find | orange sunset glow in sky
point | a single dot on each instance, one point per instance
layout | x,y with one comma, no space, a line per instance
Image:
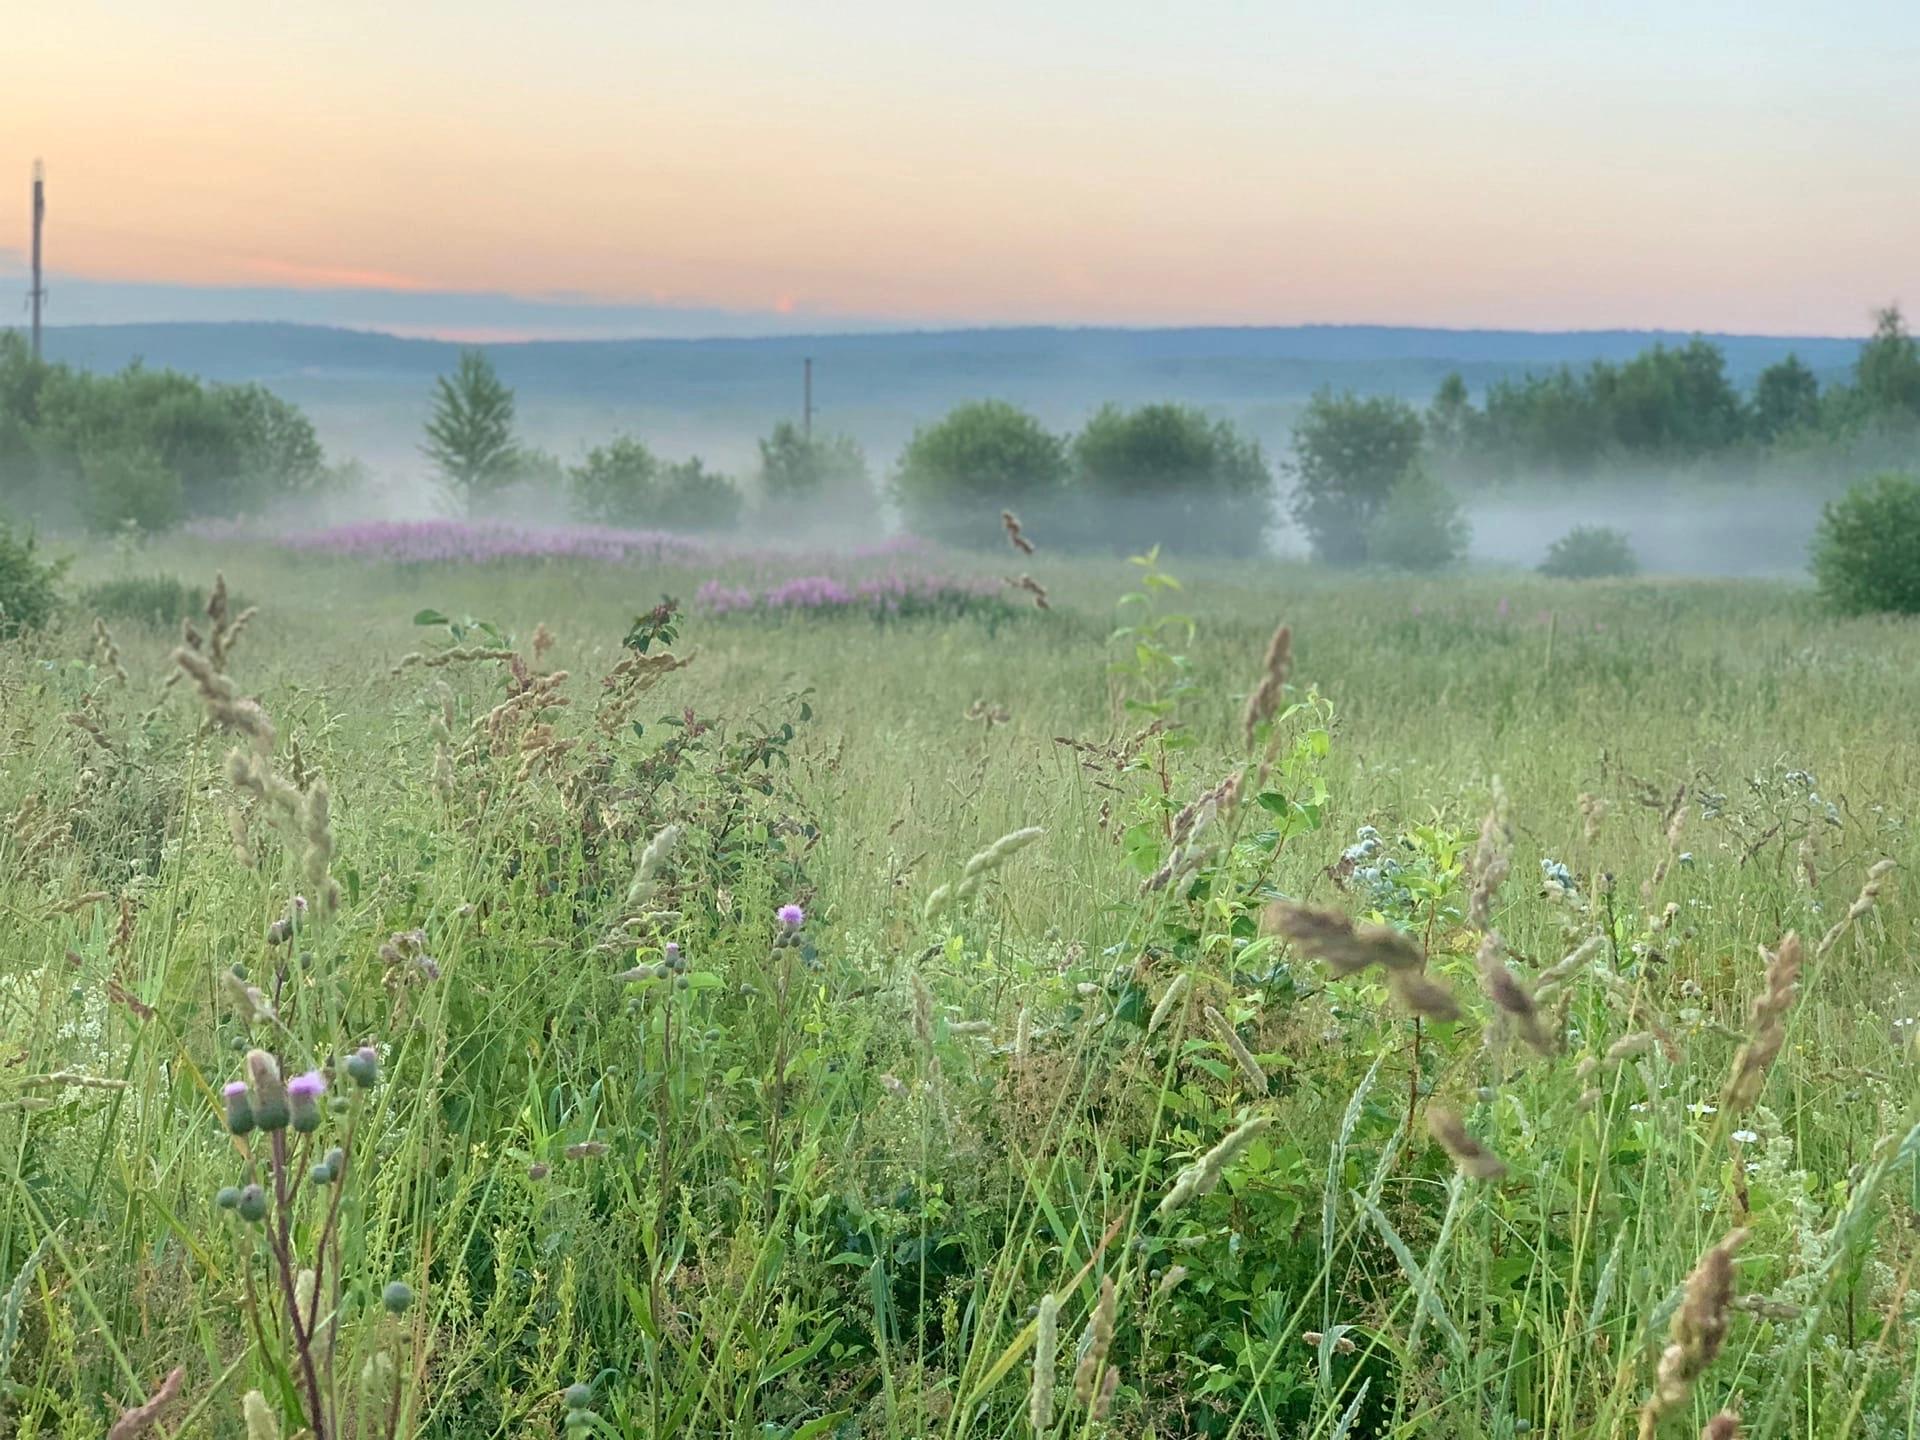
1741,167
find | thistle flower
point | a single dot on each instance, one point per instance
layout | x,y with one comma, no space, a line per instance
267,1091
1243,1057
239,1112
1767,1028
363,1067
1201,1177
1469,1156
790,916
1699,1330
303,1098
1046,1339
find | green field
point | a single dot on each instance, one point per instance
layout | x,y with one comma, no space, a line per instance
837,1181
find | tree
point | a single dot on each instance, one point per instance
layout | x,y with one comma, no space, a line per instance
1450,416
819,473
957,475
1886,374
1866,552
692,497
1168,474
280,454
1349,453
1419,526
470,435
617,484
1786,399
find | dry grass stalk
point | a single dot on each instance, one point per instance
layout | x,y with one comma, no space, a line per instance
1266,696
1032,587
1491,861
457,655
1724,1426
1015,535
1563,970
142,1418
543,639
316,822
1344,947
1699,1330
1204,1174
1767,1026
621,687
1420,994
224,706
1470,1157
1593,813
1511,997
224,632
105,653
1676,822
1086,1375
1046,1340
1184,854
1242,1056
1863,902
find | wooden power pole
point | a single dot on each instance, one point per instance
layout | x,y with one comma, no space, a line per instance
39,291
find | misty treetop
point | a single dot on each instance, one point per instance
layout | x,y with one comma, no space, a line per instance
147,447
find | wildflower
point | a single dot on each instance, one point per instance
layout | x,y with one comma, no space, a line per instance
239,1112
267,1091
363,1067
1746,1137
303,1095
791,917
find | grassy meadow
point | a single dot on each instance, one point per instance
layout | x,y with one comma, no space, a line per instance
1084,1133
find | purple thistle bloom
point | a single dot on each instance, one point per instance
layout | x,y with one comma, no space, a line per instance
303,1097
234,1088
240,1118
792,917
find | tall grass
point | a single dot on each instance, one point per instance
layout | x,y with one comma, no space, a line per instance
1049,1106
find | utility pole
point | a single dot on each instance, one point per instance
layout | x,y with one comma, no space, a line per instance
806,404
39,292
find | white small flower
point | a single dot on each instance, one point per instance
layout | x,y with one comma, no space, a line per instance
1639,1107
1745,1137
1700,1107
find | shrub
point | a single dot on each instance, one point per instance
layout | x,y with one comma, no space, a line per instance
1349,454
149,600
692,497
824,474
125,486
1589,552
617,484
1167,474
29,586
958,474
1866,552
1419,526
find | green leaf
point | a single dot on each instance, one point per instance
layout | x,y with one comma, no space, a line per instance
429,617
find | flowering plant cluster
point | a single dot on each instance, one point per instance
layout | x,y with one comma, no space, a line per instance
895,595
413,542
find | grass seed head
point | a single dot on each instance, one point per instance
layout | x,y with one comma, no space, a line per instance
1344,947
1767,1027
1265,699
1470,1157
1698,1331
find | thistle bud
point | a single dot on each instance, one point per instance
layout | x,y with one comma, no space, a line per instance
227,1197
363,1067
578,1396
267,1091
397,1297
321,1173
303,1095
239,1112
252,1204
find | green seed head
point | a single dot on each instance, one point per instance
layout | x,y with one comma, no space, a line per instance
397,1297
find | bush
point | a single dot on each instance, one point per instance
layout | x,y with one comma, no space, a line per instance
617,484
821,474
159,600
692,497
125,486
1167,474
1590,552
29,586
1349,454
957,475
1866,552
1419,526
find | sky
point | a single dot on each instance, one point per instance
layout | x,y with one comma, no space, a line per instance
493,169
